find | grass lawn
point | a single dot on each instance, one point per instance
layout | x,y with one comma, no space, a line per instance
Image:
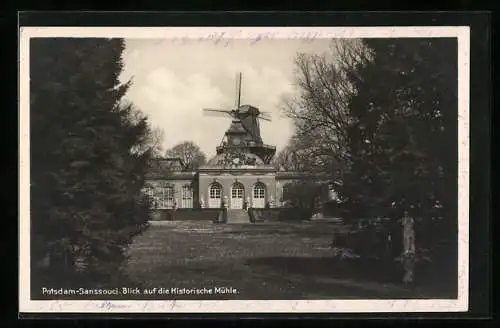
261,261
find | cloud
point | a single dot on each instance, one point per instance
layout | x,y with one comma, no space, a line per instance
174,81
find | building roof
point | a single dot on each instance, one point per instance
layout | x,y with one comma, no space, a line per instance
173,168
161,167
302,175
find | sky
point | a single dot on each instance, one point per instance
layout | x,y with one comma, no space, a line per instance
173,81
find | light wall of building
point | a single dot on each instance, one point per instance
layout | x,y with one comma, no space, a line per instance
227,180
171,191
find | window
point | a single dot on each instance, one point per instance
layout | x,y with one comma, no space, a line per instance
149,193
286,194
166,196
237,191
259,191
215,191
187,196
285,190
187,192
160,196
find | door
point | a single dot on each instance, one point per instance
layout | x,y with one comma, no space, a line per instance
259,195
237,196
215,196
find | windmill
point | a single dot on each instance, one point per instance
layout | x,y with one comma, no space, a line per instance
248,116
244,131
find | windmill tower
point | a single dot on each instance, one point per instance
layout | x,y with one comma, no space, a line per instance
243,134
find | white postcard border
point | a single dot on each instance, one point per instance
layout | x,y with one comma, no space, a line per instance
462,33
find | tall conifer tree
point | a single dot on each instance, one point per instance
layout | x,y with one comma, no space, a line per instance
89,153
403,142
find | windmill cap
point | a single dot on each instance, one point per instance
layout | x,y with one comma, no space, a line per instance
248,109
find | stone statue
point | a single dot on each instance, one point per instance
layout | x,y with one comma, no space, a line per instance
408,247
202,202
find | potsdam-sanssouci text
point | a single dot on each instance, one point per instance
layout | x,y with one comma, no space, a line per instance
123,291
80,291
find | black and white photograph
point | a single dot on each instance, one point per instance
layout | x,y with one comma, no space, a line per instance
233,169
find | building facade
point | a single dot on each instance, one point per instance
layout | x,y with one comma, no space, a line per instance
239,176
217,185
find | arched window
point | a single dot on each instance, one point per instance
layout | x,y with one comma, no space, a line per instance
215,190
187,196
215,195
259,195
237,191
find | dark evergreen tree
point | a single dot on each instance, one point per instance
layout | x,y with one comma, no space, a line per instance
403,140
89,154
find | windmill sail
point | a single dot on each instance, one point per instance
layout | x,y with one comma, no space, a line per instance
238,91
216,112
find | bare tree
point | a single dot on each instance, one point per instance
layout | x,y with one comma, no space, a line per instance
189,153
155,141
319,108
291,158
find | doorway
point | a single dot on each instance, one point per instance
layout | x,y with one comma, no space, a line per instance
237,196
215,195
259,195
